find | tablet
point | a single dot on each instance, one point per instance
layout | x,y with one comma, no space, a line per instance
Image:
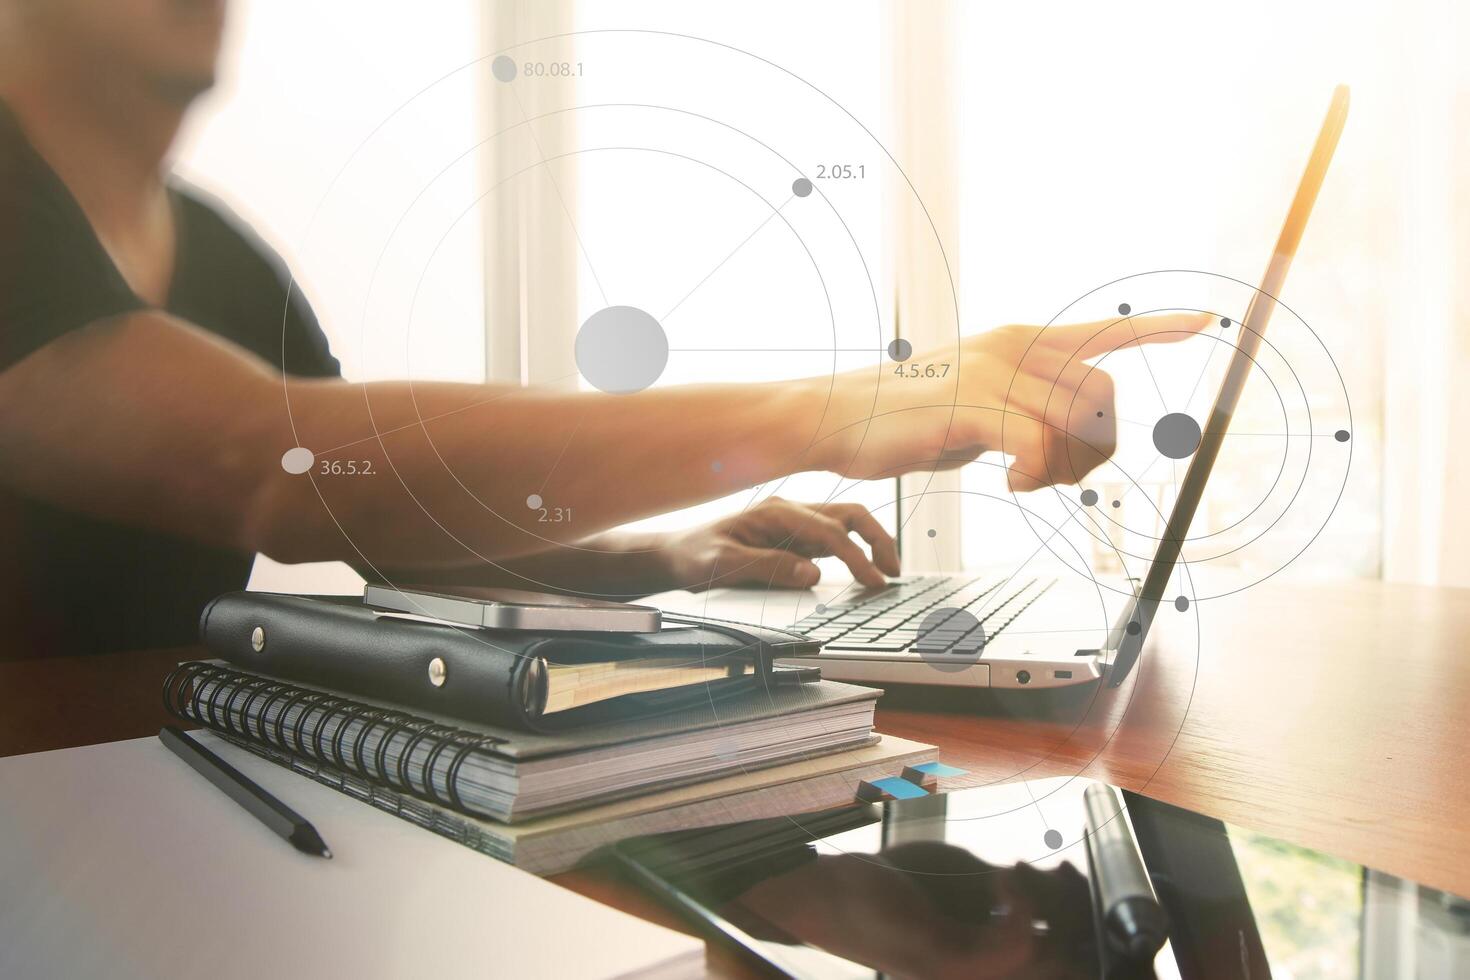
515,609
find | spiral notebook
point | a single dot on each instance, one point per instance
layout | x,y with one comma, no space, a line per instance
509,775
558,842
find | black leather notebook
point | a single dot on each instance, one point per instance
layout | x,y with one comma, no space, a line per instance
531,681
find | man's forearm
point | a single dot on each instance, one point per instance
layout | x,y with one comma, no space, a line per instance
461,472
149,421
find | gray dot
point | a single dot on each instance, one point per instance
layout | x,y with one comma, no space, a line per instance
1176,435
932,533
1089,498
1117,503
1181,603
1224,321
621,349
1133,629
534,501
801,187
1053,839
297,459
1124,309
717,466
503,68
821,607
1341,435
950,639
1099,414
900,349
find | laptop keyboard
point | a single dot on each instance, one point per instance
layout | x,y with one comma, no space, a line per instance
891,621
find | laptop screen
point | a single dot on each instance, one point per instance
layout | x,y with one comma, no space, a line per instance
1129,632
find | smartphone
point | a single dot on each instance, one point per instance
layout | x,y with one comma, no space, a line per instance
514,609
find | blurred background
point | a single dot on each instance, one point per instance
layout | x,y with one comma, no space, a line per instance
1054,150
975,165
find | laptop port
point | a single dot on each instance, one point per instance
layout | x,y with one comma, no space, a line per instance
1062,675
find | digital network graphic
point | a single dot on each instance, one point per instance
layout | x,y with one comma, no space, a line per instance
784,193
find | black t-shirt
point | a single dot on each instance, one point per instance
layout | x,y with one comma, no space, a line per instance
70,583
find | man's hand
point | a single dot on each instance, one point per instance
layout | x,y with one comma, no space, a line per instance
1028,392
773,545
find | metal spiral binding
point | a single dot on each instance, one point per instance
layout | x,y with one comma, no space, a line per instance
307,700
220,688
439,733
329,707
312,700
467,746
370,719
254,708
271,689
397,721
417,726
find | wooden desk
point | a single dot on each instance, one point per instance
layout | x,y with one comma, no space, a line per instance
1335,717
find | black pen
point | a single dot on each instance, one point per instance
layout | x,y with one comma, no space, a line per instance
1131,922
264,807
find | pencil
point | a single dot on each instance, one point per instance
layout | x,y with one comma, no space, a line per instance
280,818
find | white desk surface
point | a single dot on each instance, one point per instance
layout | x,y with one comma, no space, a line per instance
118,860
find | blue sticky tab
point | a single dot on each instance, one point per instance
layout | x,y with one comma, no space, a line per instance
899,788
938,769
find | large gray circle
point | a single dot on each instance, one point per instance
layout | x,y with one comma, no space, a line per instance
941,630
1176,435
621,349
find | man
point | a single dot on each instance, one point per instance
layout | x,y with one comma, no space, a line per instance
154,372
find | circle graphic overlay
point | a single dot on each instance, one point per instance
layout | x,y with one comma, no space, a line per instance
1176,435
621,349
950,639
1278,473
297,460
746,273
1099,715
832,251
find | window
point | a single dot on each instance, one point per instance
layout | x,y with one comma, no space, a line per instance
684,200
1091,145
1098,146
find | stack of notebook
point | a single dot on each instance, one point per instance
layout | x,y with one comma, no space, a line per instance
475,735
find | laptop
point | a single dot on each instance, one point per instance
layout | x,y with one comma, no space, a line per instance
1010,629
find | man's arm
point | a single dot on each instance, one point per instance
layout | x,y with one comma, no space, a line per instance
148,420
